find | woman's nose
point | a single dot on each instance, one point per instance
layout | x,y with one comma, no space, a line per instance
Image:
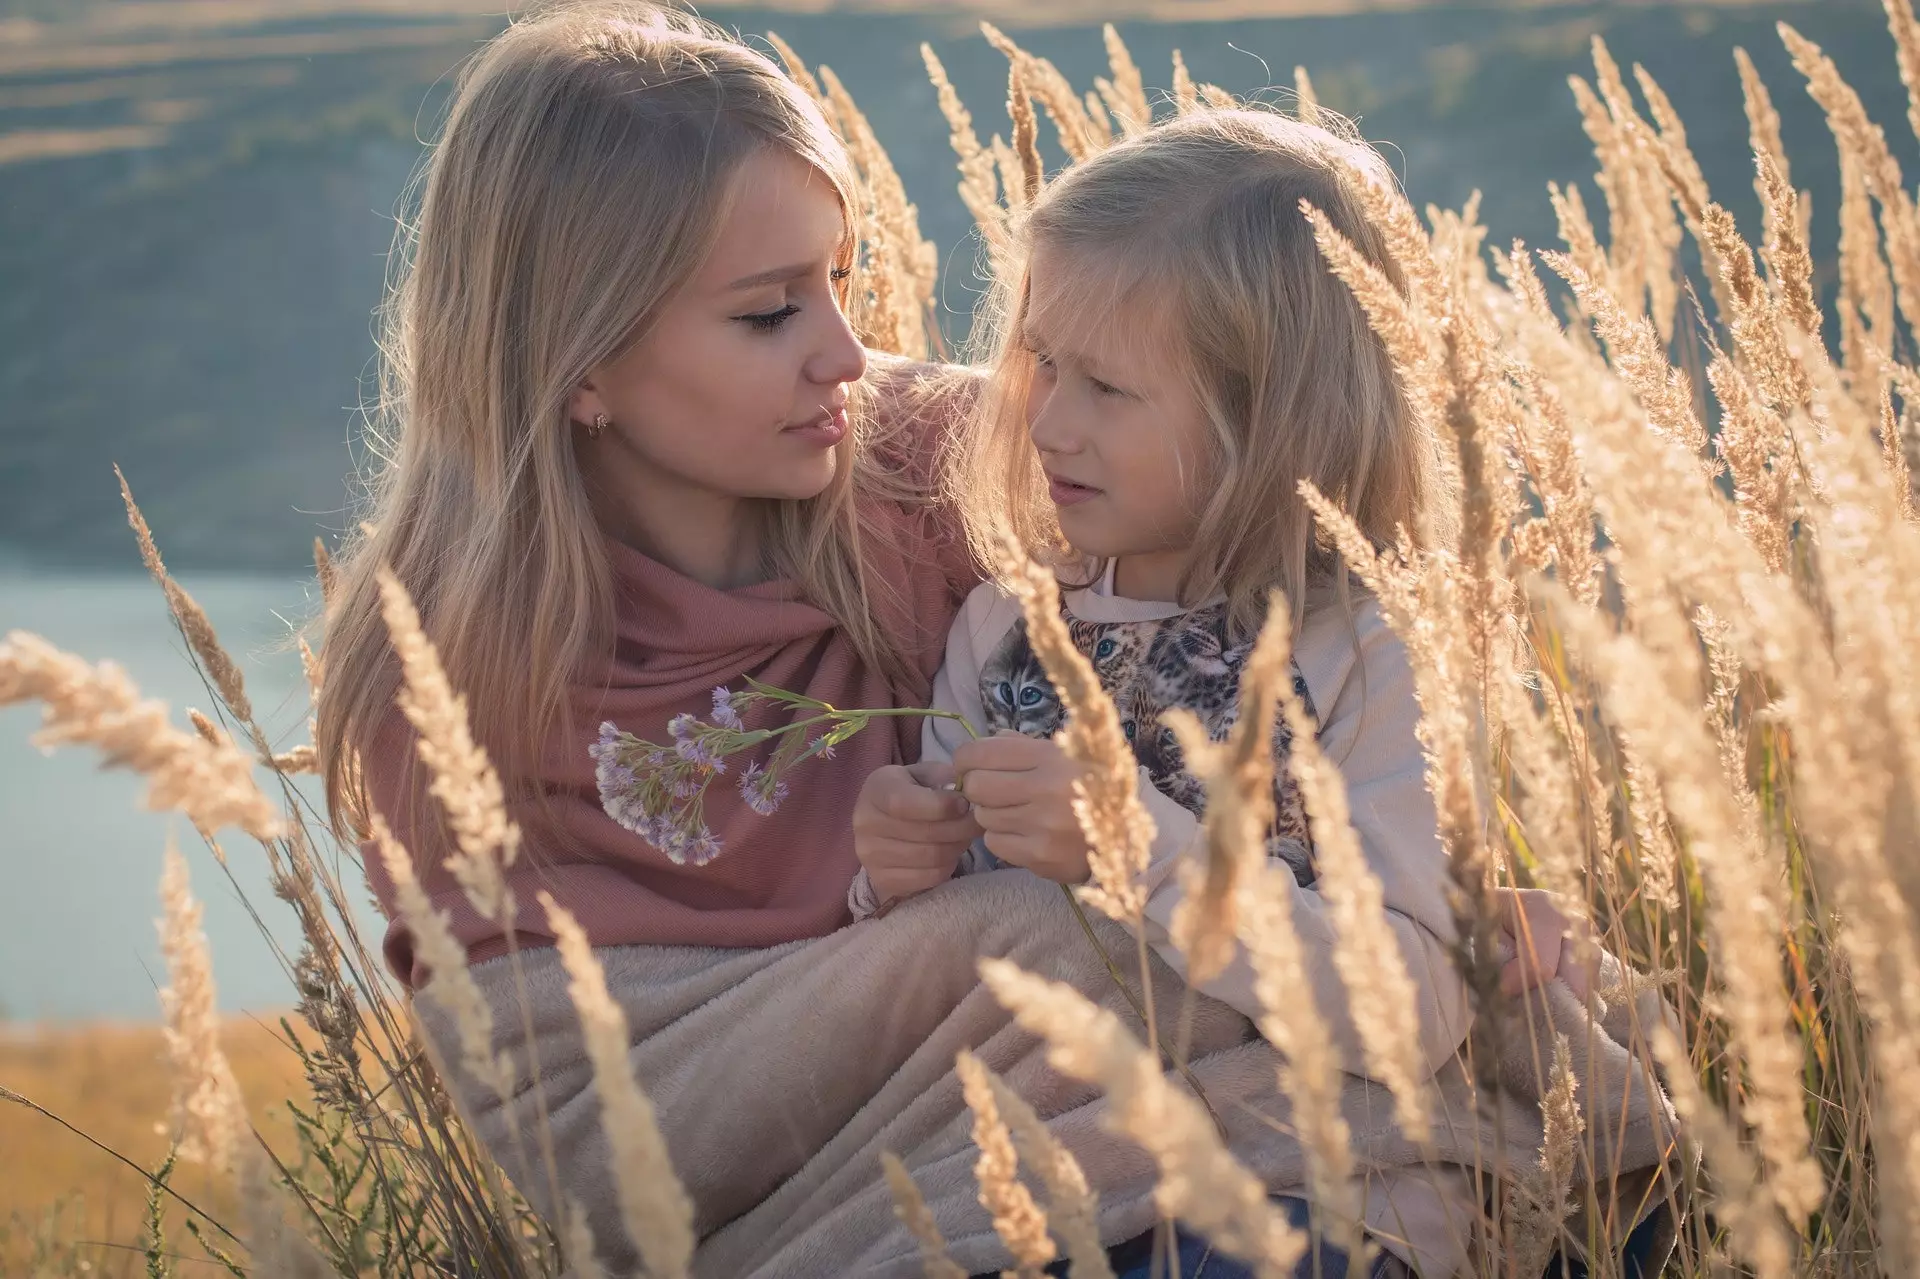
840,357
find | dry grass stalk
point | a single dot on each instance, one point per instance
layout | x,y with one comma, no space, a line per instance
1547,805
276,1247
309,667
1894,458
1740,1201
1866,289
1306,103
1199,1181
1017,1219
1214,96
1906,43
464,779
1745,918
1380,993
1405,332
913,1213
301,759
1751,441
902,268
193,620
208,1116
1081,132
1026,134
212,783
1128,97
1754,319
1638,353
979,189
654,1206
577,1241
325,573
1539,1202
1074,1207
1789,261
1206,921
450,984
1859,137
1763,124
1107,803
1186,97
1238,892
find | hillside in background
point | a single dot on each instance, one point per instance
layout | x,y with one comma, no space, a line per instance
196,200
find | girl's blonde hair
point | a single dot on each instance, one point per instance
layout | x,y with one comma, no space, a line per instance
581,177
1197,224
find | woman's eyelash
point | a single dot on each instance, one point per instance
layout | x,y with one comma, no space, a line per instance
840,273
766,321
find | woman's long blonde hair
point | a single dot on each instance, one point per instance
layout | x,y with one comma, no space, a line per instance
1197,223
580,179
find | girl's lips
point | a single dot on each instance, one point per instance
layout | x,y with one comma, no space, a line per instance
1067,493
824,431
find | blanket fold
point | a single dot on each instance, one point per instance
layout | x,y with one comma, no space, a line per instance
780,1074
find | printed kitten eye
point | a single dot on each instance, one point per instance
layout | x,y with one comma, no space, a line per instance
1003,693
1127,728
1031,695
1105,648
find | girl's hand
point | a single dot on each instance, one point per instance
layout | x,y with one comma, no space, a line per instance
1022,793
907,831
1542,943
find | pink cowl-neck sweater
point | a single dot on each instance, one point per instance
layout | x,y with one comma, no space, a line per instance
780,878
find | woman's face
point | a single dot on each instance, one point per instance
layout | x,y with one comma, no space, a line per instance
739,389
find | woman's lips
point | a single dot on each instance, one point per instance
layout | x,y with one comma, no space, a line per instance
1067,493
824,431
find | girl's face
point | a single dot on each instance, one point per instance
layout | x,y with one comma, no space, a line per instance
739,389
1121,437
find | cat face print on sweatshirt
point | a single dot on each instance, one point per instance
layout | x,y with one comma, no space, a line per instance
1148,667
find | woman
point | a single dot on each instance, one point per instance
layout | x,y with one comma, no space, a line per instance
634,451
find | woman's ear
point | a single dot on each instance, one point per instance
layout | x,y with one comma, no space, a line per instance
585,404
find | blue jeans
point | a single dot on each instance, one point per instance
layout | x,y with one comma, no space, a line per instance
1644,1253
1137,1258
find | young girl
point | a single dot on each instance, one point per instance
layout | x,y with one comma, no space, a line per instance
1176,358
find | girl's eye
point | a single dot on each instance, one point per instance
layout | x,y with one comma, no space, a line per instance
1042,360
767,321
840,273
1104,388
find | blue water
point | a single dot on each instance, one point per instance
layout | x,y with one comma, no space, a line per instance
79,855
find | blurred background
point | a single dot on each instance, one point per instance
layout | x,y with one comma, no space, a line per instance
197,198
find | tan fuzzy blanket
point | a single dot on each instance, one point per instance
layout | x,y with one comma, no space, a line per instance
780,1075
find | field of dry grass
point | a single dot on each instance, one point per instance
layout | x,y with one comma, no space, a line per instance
112,1081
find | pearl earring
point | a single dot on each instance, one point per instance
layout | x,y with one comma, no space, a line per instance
599,425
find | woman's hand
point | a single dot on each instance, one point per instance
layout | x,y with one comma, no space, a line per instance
1022,793
908,832
1541,943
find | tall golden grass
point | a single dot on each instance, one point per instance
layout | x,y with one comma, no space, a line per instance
1663,652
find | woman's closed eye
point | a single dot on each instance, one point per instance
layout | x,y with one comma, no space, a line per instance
767,321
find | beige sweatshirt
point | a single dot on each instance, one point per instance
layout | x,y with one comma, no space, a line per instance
1355,676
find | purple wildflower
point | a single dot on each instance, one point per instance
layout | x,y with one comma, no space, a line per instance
697,751
682,726
703,847
821,747
761,791
724,713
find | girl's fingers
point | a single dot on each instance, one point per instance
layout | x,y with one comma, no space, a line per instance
992,788
1022,819
954,832
1015,849
1009,753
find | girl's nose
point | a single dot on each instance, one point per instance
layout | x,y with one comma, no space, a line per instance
840,357
1050,429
